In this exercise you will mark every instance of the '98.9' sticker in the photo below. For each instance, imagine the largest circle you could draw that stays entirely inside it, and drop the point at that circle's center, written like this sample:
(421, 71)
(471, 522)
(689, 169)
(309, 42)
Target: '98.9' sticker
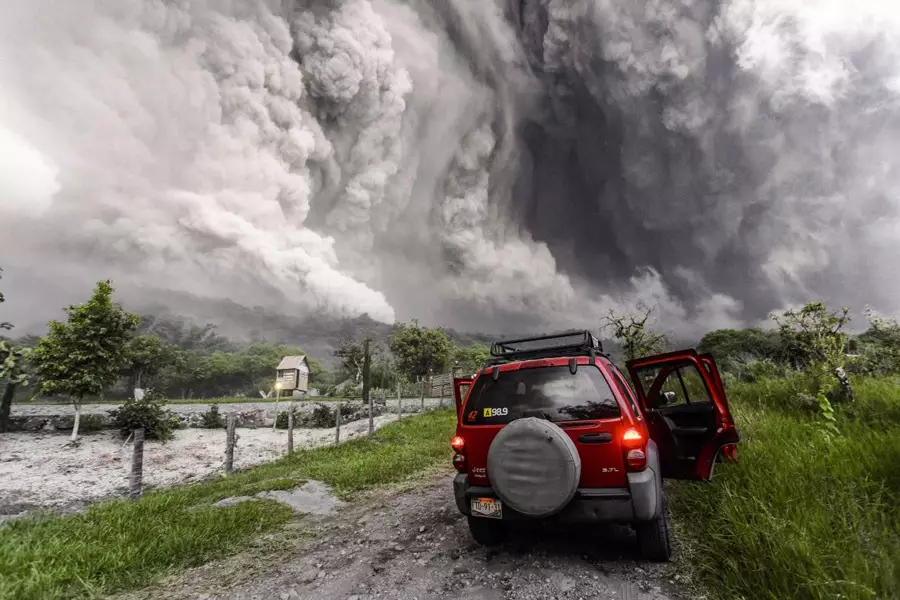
(495, 412)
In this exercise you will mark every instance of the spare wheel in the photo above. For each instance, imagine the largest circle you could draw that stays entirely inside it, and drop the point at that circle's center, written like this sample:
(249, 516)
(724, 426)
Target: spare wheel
(534, 467)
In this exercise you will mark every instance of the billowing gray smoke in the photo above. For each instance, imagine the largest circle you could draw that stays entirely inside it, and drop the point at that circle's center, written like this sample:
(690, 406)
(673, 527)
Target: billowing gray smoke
(490, 164)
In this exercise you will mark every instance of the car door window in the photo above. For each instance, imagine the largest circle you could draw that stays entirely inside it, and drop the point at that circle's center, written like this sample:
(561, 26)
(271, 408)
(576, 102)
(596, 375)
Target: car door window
(683, 385)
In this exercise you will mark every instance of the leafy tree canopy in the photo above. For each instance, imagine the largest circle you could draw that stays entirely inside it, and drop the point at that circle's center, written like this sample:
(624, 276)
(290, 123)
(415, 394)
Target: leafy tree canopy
(419, 350)
(85, 355)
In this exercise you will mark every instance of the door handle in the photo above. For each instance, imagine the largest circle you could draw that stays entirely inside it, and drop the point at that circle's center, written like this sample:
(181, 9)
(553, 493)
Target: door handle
(595, 438)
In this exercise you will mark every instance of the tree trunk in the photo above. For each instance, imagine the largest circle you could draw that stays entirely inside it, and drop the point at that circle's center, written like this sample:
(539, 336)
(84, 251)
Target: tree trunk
(6, 406)
(367, 384)
(77, 421)
(423, 394)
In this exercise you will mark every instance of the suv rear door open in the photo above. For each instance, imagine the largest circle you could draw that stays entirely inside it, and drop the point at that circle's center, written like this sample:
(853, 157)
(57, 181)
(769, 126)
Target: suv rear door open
(683, 399)
(461, 387)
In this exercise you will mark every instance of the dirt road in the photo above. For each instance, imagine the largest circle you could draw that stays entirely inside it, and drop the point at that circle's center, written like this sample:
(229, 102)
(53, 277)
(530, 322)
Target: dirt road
(413, 544)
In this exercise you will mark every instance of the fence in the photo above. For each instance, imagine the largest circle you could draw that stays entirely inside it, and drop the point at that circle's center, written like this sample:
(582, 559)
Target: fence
(397, 407)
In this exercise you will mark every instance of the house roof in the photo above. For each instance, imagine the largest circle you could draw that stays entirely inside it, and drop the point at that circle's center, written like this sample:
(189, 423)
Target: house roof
(292, 362)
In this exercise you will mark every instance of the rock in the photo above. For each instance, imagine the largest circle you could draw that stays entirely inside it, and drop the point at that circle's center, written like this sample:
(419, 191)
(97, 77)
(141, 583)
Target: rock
(321, 575)
(308, 575)
(422, 529)
(460, 569)
(291, 594)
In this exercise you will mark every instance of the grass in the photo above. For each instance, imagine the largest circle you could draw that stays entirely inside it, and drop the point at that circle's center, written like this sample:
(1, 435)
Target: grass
(123, 545)
(802, 515)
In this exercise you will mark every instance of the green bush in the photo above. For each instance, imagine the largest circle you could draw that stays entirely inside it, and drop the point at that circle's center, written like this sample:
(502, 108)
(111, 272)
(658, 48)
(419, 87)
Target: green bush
(91, 423)
(211, 419)
(281, 420)
(149, 413)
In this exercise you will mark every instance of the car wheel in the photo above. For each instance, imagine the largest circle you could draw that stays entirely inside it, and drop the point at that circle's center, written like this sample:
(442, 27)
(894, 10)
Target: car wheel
(653, 537)
(487, 532)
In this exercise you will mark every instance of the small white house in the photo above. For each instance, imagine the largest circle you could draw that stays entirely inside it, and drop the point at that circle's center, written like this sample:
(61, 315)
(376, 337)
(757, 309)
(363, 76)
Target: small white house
(292, 376)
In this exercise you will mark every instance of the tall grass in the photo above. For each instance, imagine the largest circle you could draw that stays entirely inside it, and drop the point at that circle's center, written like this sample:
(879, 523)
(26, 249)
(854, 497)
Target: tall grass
(120, 545)
(803, 514)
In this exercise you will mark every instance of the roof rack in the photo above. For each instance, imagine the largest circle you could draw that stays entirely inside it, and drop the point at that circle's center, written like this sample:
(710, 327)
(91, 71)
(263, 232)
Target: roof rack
(567, 343)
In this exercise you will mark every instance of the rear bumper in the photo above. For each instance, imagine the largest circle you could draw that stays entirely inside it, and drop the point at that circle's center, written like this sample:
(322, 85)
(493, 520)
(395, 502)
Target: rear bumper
(640, 501)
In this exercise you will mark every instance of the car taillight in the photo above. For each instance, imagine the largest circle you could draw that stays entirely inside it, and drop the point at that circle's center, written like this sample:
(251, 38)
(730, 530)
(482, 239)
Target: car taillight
(459, 459)
(634, 446)
(459, 462)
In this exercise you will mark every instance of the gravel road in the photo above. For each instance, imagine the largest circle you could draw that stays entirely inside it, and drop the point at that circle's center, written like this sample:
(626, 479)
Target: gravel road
(40, 471)
(414, 545)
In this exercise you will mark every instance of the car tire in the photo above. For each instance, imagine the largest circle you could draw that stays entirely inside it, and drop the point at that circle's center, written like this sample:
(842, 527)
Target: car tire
(653, 537)
(487, 532)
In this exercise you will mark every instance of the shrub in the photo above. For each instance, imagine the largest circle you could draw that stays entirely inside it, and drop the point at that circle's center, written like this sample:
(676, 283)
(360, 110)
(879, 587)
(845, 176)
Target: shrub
(90, 423)
(211, 419)
(149, 413)
(281, 420)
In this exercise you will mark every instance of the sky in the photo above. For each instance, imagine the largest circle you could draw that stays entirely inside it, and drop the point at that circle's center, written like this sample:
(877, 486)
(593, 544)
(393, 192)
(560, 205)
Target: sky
(487, 165)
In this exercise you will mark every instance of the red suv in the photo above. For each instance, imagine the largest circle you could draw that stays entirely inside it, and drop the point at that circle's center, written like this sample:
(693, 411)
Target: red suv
(550, 429)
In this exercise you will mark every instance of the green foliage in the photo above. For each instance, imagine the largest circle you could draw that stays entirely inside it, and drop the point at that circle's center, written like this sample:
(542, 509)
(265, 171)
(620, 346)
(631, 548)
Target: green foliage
(801, 515)
(419, 350)
(351, 353)
(146, 356)
(124, 545)
(84, 356)
(150, 413)
(812, 338)
(471, 358)
(3, 324)
(879, 346)
(14, 372)
(632, 331)
(735, 350)
(211, 418)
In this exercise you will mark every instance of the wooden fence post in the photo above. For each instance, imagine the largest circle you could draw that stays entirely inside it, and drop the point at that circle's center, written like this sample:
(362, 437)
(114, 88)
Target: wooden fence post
(291, 430)
(137, 465)
(371, 415)
(229, 445)
(337, 423)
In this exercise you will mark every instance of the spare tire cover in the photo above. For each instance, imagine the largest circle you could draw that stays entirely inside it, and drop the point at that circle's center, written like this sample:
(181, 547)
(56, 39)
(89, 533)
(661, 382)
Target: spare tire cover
(534, 467)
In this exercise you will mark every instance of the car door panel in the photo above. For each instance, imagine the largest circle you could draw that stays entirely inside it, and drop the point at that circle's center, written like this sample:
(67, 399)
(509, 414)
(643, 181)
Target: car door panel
(692, 433)
(461, 387)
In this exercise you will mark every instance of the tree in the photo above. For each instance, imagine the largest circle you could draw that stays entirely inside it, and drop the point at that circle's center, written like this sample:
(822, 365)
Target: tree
(352, 354)
(85, 355)
(420, 351)
(471, 358)
(3, 324)
(735, 349)
(12, 372)
(813, 339)
(146, 357)
(632, 331)
(880, 344)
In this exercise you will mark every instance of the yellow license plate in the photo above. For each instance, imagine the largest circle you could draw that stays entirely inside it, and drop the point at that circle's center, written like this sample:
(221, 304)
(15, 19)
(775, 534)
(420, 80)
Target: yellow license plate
(487, 507)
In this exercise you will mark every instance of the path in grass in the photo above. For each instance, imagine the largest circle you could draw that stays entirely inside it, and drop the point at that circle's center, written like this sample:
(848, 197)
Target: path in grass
(400, 544)
(119, 545)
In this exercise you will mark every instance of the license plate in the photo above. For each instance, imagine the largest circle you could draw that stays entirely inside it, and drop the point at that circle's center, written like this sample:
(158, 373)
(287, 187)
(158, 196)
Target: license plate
(487, 507)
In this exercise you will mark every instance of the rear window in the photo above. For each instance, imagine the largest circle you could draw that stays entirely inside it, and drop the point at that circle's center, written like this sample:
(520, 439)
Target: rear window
(549, 392)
